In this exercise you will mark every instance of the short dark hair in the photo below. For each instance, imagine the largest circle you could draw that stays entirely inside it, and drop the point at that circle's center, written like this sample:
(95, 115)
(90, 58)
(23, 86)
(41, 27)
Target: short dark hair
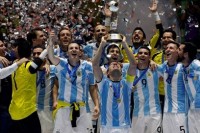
(23, 47)
(38, 46)
(177, 44)
(33, 35)
(191, 49)
(73, 43)
(171, 31)
(64, 28)
(145, 47)
(111, 46)
(139, 28)
(119, 62)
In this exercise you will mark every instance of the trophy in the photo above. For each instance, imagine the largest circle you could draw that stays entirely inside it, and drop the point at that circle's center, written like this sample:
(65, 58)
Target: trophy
(114, 38)
(113, 7)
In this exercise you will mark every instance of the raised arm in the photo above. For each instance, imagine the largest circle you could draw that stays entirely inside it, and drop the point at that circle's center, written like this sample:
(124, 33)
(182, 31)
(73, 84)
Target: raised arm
(37, 62)
(108, 15)
(154, 11)
(4, 61)
(133, 63)
(96, 61)
(54, 60)
(155, 40)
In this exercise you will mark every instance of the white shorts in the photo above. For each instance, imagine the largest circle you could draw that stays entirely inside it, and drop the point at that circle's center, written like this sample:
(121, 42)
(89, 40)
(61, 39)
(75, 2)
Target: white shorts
(114, 130)
(46, 120)
(194, 120)
(175, 123)
(63, 123)
(90, 124)
(146, 124)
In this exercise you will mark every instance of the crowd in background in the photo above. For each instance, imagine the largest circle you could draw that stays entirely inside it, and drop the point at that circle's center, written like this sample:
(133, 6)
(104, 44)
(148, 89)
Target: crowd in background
(19, 17)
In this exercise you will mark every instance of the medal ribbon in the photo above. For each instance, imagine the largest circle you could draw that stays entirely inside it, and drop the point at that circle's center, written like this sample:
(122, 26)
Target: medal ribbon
(170, 71)
(138, 79)
(72, 73)
(116, 88)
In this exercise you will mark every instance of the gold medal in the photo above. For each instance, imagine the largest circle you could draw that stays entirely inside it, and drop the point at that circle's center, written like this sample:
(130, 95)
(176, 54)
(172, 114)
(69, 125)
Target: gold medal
(78, 73)
(68, 78)
(134, 88)
(195, 78)
(118, 100)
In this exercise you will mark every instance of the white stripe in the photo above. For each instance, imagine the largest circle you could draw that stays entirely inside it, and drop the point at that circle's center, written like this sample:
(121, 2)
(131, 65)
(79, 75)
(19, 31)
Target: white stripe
(34, 65)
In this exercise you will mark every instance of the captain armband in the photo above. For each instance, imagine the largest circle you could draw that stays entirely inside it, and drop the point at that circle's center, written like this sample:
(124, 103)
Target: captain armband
(156, 15)
(130, 78)
(107, 21)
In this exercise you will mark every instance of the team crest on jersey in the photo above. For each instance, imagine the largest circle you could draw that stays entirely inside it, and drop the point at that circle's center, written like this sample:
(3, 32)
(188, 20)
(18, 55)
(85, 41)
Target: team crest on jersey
(195, 78)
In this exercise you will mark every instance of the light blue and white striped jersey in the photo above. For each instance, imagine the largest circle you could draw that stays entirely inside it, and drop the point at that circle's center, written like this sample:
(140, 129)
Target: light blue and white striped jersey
(176, 98)
(192, 83)
(146, 95)
(113, 112)
(58, 52)
(75, 88)
(44, 89)
(90, 50)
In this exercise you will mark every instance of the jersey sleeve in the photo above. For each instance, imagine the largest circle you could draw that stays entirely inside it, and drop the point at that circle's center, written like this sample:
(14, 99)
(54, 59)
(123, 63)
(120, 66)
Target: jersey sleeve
(196, 66)
(161, 69)
(101, 84)
(90, 74)
(155, 40)
(4, 72)
(87, 51)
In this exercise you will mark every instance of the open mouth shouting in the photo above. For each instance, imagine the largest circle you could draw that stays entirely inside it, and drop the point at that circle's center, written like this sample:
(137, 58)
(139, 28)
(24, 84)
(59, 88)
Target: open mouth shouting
(136, 38)
(168, 55)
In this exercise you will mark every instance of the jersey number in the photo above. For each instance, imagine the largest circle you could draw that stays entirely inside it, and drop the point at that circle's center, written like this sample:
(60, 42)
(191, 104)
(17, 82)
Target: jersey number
(144, 82)
(182, 129)
(159, 130)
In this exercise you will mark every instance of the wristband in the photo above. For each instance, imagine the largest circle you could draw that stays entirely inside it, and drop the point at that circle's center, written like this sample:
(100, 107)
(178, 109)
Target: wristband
(156, 15)
(34, 65)
(107, 21)
(43, 54)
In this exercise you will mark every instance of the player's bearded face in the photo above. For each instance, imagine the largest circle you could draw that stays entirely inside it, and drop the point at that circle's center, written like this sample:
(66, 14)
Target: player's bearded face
(181, 53)
(137, 37)
(116, 72)
(115, 69)
(100, 31)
